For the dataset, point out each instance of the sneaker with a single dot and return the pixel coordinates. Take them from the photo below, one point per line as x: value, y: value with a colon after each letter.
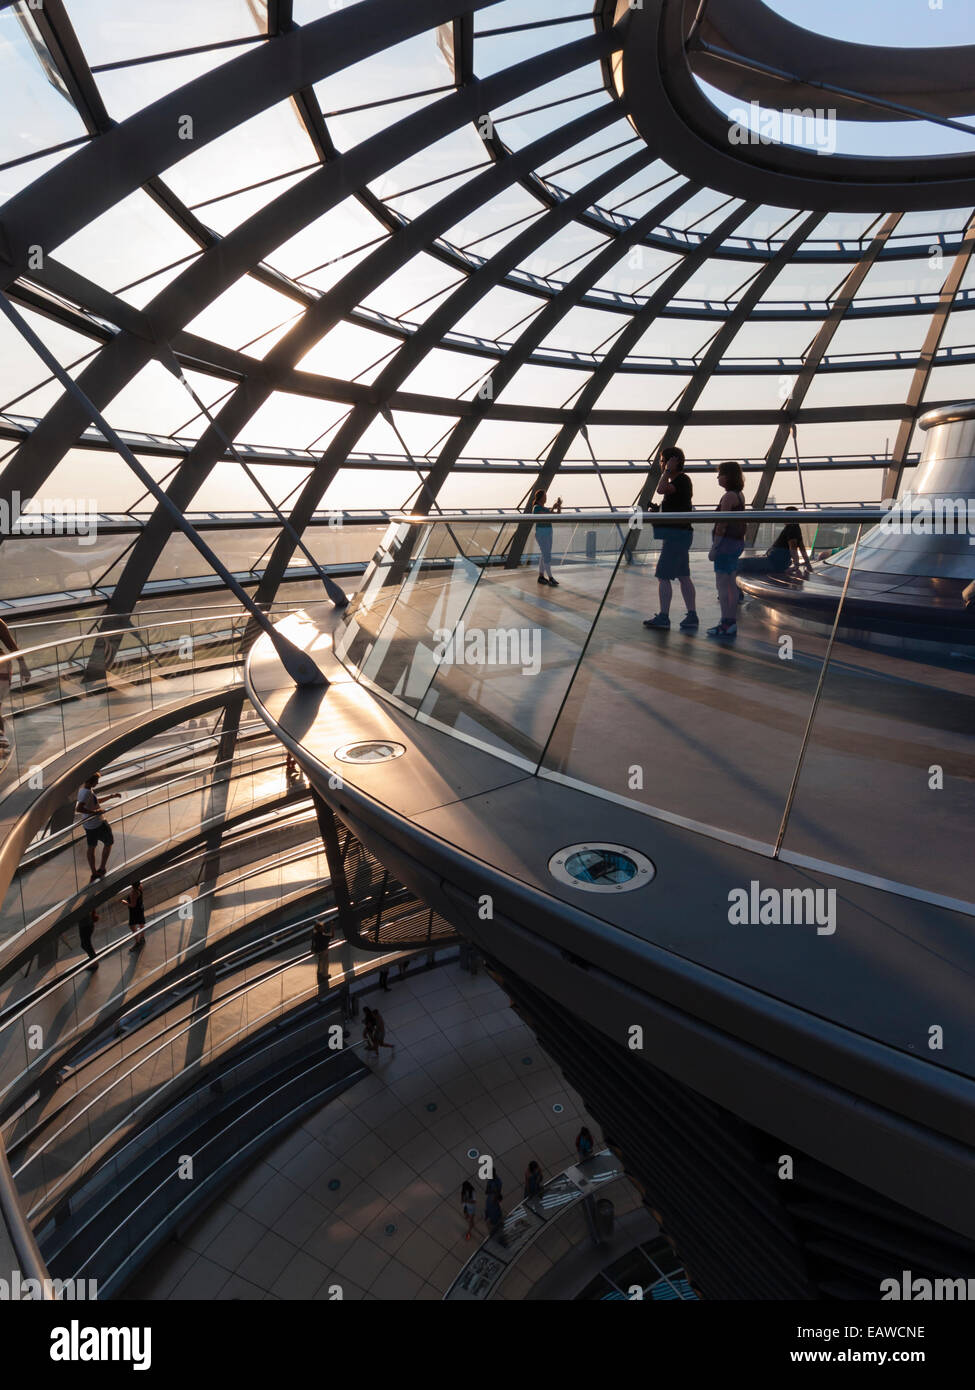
x: 724, y: 630
x: 542, y: 579
x: 554, y: 583
x: 691, y: 623
x: 661, y: 621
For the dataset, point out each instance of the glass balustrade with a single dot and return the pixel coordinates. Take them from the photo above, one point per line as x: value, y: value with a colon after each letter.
x: 801, y: 735
x: 52, y: 998
x: 59, y: 1139
x: 61, y: 693
x: 148, y: 814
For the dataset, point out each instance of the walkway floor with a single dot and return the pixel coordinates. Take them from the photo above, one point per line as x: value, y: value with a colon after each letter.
x: 466, y: 1074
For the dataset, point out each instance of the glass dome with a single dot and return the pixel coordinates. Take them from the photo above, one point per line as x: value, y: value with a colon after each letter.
x: 307, y: 270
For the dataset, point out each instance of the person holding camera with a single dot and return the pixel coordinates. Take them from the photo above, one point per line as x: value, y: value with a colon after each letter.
x: 543, y: 535
x: 676, y: 537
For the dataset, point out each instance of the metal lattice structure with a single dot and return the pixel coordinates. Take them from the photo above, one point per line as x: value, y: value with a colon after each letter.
x: 338, y: 243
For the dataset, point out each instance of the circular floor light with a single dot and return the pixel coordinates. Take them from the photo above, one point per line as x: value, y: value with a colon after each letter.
x: 598, y: 867
x: 373, y: 750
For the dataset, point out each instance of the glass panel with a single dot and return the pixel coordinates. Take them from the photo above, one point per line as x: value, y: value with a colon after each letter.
x: 379, y: 590
x: 44, y: 115
x: 888, y: 780
x: 696, y: 730
x: 511, y: 654
x: 445, y: 568
x: 109, y: 32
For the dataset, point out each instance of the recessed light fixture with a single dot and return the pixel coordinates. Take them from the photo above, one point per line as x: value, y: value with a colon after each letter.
x: 597, y: 867
x: 373, y: 750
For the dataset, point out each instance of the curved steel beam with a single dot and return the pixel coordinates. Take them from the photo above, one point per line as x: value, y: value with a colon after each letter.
x: 279, y: 367
x: 666, y: 104
x: 937, y: 79
x: 722, y: 340
x: 631, y: 335
x: 215, y: 270
x: 540, y: 328
x: 102, y: 173
x: 922, y: 373
x: 428, y: 337
x: 815, y: 354
x: 299, y: 665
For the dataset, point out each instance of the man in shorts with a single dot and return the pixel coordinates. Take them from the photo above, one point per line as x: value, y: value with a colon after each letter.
x: 96, y: 827
x: 674, y: 561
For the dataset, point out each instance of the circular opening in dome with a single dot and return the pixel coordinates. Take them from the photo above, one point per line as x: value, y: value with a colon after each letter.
x: 601, y: 868
x: 369, y: 751
x: 868, y: 23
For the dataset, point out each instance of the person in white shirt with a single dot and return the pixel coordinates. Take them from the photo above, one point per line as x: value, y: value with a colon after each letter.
x: 96, y: 827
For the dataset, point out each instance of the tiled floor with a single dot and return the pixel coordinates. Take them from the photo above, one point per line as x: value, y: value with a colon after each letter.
x: 465, y: 1074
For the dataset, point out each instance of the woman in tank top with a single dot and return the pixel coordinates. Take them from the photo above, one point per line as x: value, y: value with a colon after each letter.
x: 727, y: 543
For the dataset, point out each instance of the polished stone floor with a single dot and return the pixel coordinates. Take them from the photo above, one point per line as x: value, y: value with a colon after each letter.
x: 364, y: 1194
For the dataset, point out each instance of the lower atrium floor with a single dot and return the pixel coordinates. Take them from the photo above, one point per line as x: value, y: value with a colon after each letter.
x: 365, y: 1193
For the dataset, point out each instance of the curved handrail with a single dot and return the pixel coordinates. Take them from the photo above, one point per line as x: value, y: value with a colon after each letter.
x: 9, y: 1017
x: 91, y: 1254
x: 177, y: 1030
x: 30, y: 818
x: 479, y: 1276
x: 200, y: 610
x: 72, y: 834
x: 21, y: 1236
x: 119, y: 775
x: 32, y: 928
x: 121, y: 632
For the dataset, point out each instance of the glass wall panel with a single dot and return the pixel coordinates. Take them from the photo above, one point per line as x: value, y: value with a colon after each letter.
x: 701, y: 730
x: 888, y: 780
x: 510, y: 655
